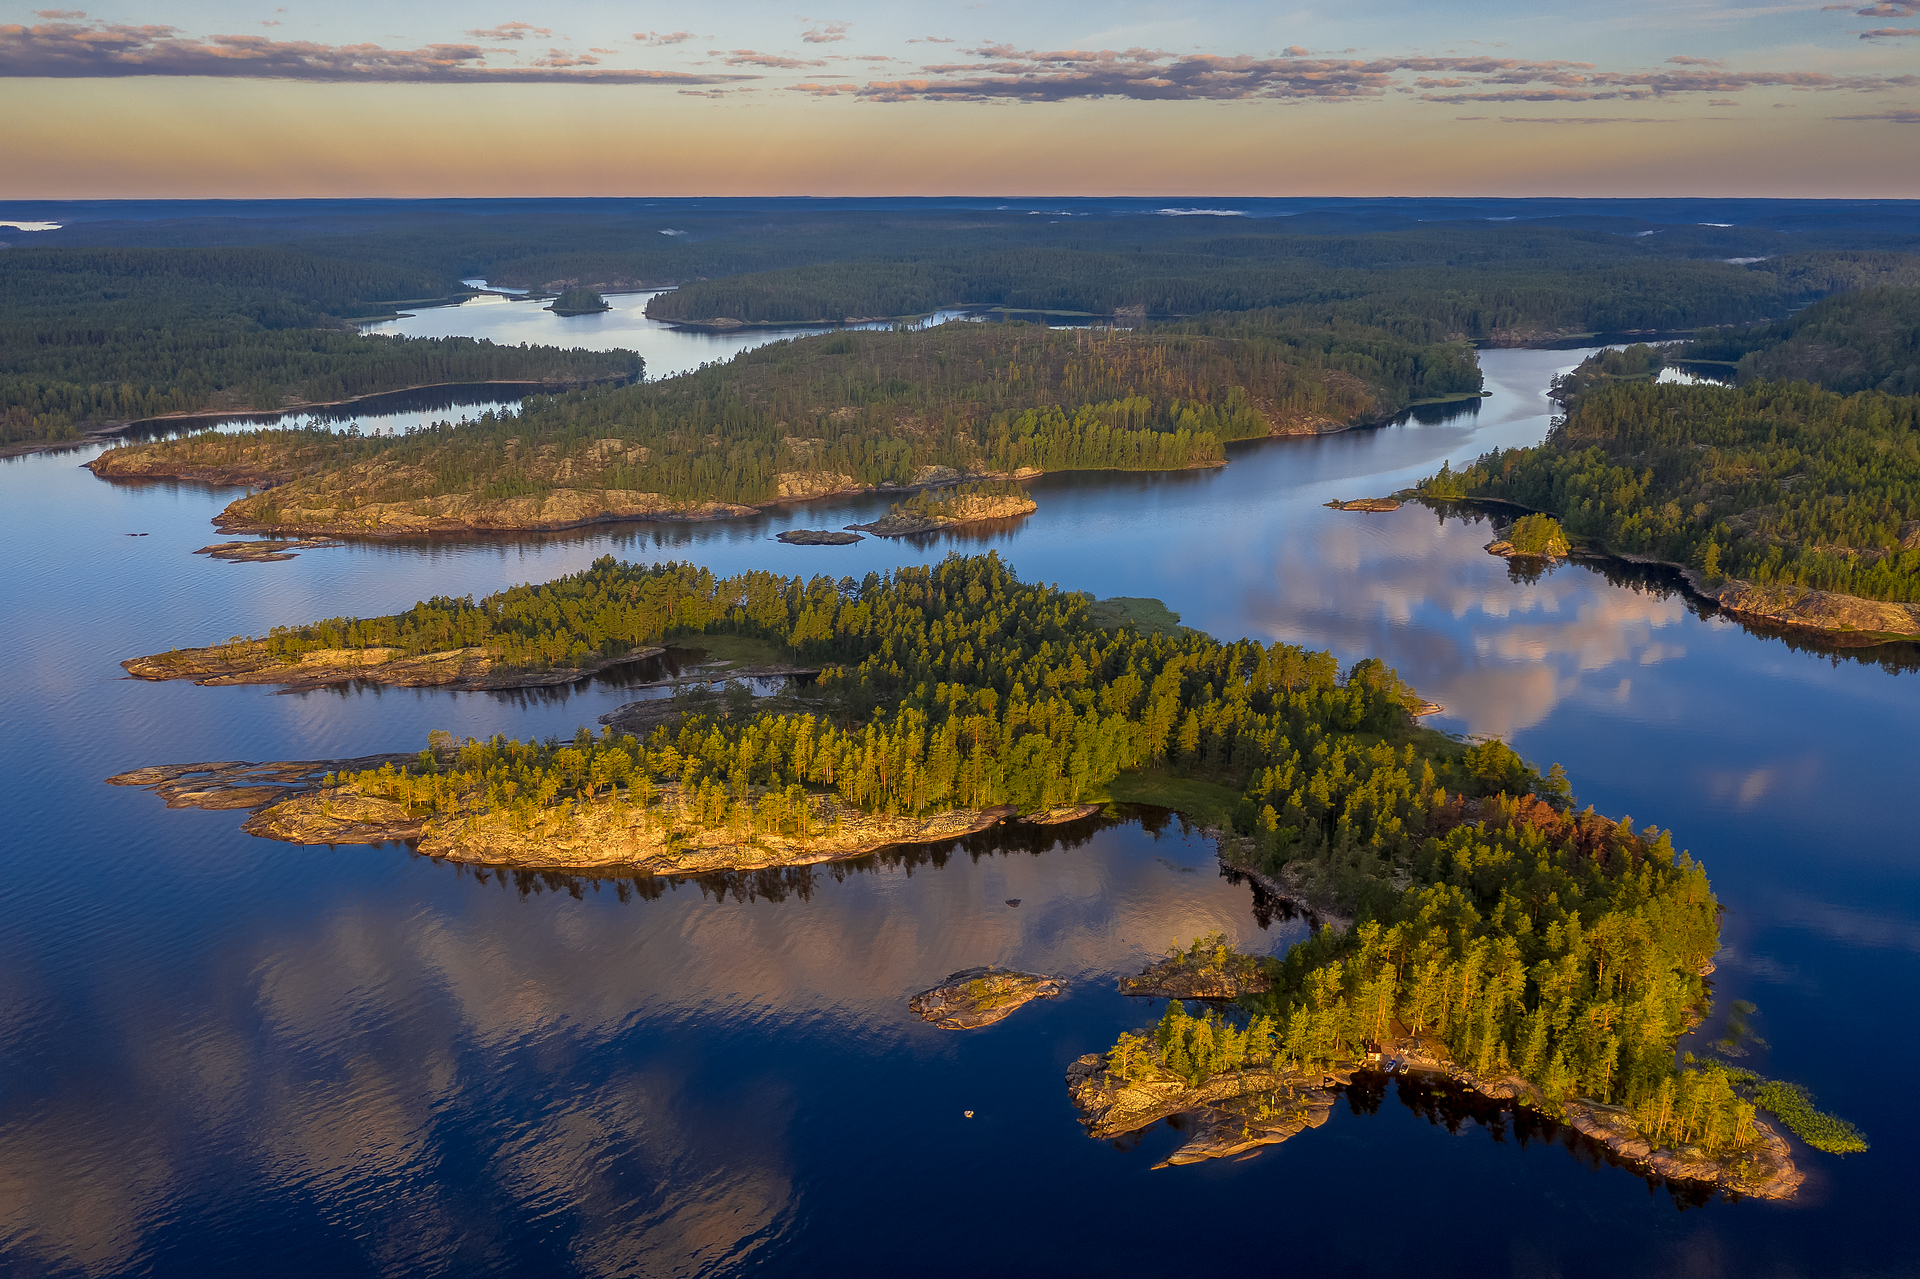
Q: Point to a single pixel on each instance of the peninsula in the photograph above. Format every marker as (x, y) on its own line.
(792, 421)
(1780, 502)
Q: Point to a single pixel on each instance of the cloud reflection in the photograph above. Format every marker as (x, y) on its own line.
(624, 1077)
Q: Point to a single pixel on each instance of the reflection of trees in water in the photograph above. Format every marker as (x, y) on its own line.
(1662, 582)
(1446, 1105)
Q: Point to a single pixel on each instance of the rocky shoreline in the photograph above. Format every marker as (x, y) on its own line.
(1242, 1110)
(458, 670)
(607, 834)
(964, 510)
(107, 432)
(265, 551)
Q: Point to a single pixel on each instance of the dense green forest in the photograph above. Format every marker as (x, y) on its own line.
(875, 406)
(101, 336)
(1430, 287)
(1529, 937)
(1768, 482)
(1862, 341)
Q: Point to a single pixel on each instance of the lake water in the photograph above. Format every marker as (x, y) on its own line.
(217, 1050)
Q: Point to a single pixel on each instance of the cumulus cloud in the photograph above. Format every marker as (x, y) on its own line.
(561, 58)
(751, 58)
(510, 31)
(824, 90)
(657, 38)
(68, 50)
(1889, 33)
(827, 33)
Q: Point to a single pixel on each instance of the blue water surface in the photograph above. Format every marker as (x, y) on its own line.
(220, 1054)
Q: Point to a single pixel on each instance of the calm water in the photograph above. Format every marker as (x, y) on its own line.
(216, 1049)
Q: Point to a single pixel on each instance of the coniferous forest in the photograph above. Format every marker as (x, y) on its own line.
(1770, 482)
(1530, 937)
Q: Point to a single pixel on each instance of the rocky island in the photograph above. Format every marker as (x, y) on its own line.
(816, 537)
(1210, 968)
(579, 302)
(977, 997)
(932, 510)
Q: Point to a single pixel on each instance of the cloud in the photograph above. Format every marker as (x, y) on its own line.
(61, 14)
(1885, 9)
(932, 40)
(1903, 116)
(1722, 102)
(999, 71)
(1889, 33)
(1683, 61)
(750, 58)
(827, 33)
(1582, 119)
(561, 58)
(824, 90)
(655, 38)
(70, 51)
(1539, 82)
(510, 31)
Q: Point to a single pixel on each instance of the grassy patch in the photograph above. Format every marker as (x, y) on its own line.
(741, 650)
(1205, 802)
(1150, 616)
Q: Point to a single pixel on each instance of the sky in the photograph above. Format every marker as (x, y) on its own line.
(171, 98)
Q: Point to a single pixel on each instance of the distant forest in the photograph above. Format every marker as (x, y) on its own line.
(130, 318)
(96, 336)
(1867, 340)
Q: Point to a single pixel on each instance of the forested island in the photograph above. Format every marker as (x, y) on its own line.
(579, 302)
(1536, 952)
(791, 421)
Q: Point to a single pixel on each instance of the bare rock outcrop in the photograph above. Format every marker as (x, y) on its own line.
(977, 997)
(1838, 617)
(460, 669)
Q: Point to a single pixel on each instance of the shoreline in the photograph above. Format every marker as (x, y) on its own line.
(290, 803)
(1738, 598)
(1112, 1107)
(110, 431)
(462, 670)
